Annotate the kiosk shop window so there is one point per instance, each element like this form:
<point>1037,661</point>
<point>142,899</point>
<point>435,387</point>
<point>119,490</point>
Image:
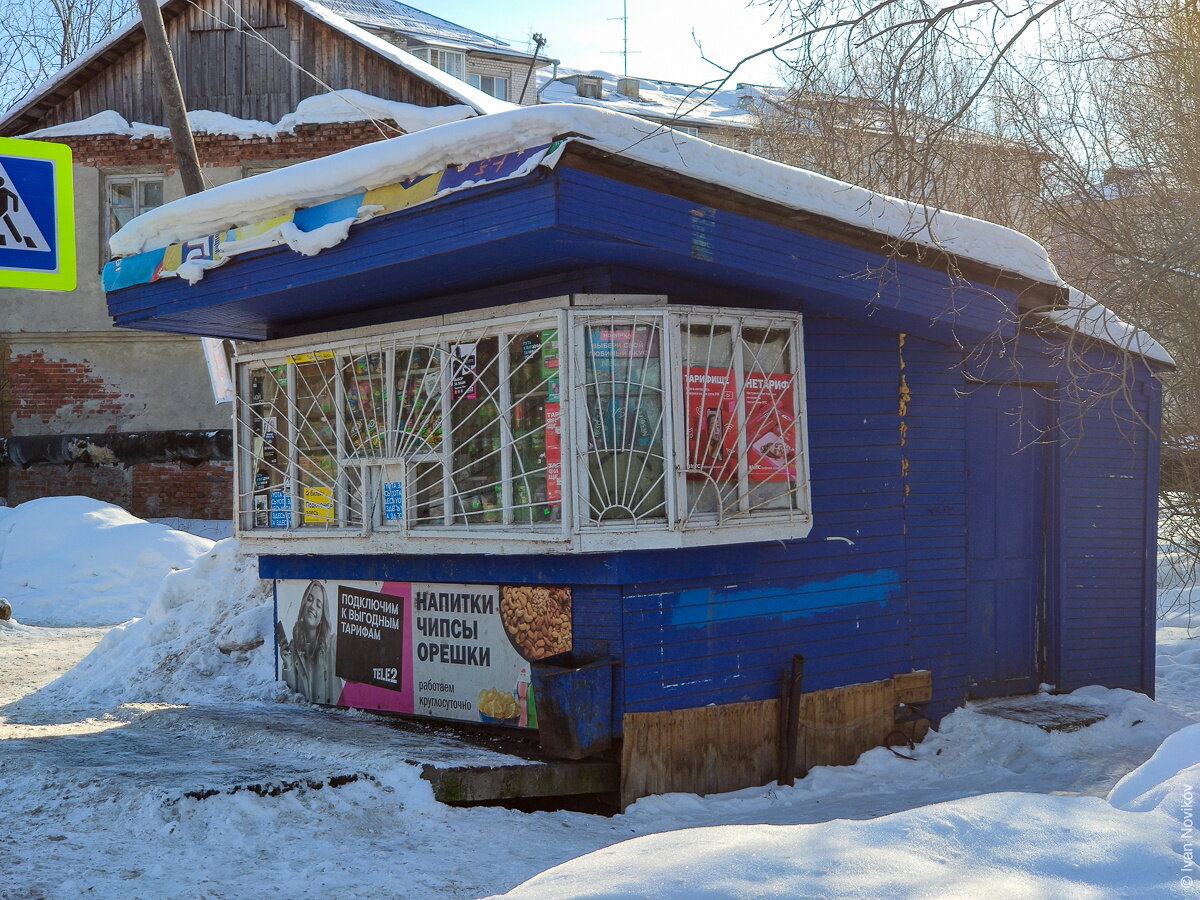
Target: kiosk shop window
<point>557,426</point>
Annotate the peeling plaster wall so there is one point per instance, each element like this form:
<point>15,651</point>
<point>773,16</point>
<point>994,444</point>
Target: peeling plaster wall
<point>65,369</point>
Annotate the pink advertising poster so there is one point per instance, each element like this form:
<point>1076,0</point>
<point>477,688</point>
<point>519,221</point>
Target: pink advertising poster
<point>448,651</point>
<point>771,427</point>
<point>711,400</point>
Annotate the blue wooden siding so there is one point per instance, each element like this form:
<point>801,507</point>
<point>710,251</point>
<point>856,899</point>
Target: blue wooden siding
<point>843,605</point>
<point>396,266</point>
<point>879,586</point>
<point>936,515</point>
<point>1108,463</point>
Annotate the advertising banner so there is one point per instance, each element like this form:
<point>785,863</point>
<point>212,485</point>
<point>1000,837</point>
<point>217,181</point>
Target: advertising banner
<point>771,427</point>
<point>450,651</point>
<point>710,397</point>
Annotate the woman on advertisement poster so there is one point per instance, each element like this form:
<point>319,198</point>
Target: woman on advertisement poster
<point>308,659</point>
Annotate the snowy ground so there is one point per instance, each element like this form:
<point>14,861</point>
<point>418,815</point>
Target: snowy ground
<point>129,775</point>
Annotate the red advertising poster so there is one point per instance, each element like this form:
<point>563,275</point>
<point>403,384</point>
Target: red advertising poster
<point>770,427</point>
<point>710,397</point>
<point>553,453</point>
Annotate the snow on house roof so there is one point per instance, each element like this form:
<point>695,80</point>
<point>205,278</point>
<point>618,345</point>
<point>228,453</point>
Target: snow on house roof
<point>684,104</point>
<point>336,106</point>
<point>401,17</point>
<point>403,158</point>
<point>456,88</point>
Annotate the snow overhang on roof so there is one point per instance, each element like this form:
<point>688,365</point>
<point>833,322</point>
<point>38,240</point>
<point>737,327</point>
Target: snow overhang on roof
<point>516,133</point>
<point>396,16</point>
<point>671,102</point>
<point>120,41</point>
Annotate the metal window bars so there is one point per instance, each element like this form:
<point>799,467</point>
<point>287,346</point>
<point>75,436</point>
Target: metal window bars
<point>456,427</point>
<point>742,418</point>
<point>674,418</point>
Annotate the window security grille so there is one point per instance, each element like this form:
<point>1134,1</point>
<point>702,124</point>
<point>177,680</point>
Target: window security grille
<point>544,425</point>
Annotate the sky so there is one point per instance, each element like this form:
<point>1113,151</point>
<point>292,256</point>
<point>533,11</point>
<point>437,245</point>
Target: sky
<point>588,35</point>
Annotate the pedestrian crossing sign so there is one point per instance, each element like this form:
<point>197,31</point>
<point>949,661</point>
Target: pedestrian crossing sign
<point>37,216</point>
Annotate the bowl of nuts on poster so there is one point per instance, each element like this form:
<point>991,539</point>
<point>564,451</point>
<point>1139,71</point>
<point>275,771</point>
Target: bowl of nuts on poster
<point>537,619</point>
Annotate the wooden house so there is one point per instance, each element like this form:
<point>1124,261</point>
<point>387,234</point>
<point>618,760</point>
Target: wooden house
<point>558,381</point>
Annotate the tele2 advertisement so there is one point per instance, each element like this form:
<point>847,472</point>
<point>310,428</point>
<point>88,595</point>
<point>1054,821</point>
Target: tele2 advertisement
<point>449,651</point>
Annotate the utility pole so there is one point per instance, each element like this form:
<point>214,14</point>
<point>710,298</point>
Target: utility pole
<point>538,43</point>
<point>216,357</point>
<point>172,97</point>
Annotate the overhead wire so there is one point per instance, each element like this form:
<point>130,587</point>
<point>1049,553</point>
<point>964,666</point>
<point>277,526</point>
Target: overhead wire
<point>247,28</point>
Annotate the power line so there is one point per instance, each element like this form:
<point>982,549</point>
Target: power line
<point>379,124</point>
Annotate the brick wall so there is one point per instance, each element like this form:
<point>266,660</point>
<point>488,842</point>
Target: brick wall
<point>44,390</point>
<point>151,490</point>
<point>307,142</point>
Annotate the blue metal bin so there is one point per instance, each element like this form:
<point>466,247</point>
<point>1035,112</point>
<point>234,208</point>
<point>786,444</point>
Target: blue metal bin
<point>574,704</point>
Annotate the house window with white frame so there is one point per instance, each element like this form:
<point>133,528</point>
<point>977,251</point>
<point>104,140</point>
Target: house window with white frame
<point>452,62</point>
<point>490,84</point>
<point>578,426</point>
<point>128,196</point>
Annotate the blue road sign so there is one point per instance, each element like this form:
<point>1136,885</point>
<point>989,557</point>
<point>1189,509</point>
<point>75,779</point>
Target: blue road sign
<point>37,215</point>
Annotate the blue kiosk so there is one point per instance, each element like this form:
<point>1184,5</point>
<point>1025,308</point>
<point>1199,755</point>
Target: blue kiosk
<point>556,381</point>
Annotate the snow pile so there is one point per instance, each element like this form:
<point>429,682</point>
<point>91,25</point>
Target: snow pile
<point>1178,583</point>
<point>1174,768</point>
<point>77,561</point>
<point>970,753</point>
<point>107,122</point>
<point>322,109</point>
<point>355,106</point>
<point>1177,671</point>
<point>205,638</point>
<point>999,845</point>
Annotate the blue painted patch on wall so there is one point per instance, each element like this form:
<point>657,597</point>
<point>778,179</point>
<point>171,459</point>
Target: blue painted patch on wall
<point>703,606</point>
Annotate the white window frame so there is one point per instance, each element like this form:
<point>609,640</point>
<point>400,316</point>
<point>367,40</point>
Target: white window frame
<point>573,531</point>
<point>136,179</point>
<point>452,62</point>
<point>477,81</point>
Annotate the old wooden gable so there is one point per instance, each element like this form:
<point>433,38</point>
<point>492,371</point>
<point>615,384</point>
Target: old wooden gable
<point>253,59</point>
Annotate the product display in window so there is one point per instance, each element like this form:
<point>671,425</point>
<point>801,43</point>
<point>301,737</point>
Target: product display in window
<point>625,420</point>
<point>267,416</point>
<point>666,419</point>
<point>536,424</point>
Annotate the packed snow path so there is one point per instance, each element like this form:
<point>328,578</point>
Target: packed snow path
<point>106,798</point>
<point>131,776</point>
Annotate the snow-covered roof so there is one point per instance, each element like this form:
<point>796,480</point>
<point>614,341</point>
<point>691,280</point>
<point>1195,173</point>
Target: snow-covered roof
<point>336,106</point>
<point>684,104</point>
<point>400,17</point>
<point>455,87</point>
<point>400,159</point>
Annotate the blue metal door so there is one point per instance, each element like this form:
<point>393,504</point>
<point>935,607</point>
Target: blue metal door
<point>1006,538</point>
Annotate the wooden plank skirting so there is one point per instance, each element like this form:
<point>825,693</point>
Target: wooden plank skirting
<point>712,749</point>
